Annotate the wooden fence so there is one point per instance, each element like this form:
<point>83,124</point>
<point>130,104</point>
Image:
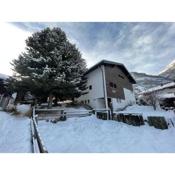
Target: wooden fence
<point>37,142</point>
<point>44,114</point>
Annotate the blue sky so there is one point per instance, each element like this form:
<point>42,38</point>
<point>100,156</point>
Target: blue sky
<point>142,47</point>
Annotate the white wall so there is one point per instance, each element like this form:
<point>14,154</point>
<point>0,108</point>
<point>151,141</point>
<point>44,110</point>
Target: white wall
<point>98,103</point>
<point>96,94</point>
<point>129,99</point>
<point>118,105</point>
<point>129,95</point>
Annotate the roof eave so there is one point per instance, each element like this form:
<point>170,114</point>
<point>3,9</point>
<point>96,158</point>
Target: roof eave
<point>103,62</point>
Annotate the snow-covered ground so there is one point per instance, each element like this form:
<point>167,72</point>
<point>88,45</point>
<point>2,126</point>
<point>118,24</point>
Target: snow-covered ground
<point>89,134</point>
<point>15,136</point>
<point>23,108</point>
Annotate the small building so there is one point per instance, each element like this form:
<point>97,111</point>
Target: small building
<point>110,85</point>
<point>165,94</point>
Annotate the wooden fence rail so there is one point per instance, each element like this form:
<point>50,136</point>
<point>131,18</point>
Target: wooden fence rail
<point>37,142</point>
<point>34,139</point>
<point>44,114</point>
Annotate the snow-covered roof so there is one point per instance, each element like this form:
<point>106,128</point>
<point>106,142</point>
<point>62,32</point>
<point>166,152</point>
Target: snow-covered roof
<point>171,95</point>
<point>161,87</point>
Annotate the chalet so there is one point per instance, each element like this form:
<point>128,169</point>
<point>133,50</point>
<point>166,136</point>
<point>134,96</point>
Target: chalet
<point>164,94</point>
<point>110,85</point>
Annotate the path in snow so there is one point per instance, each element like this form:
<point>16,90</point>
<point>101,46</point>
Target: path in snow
<point>90,134</point>
<point>15,136</point>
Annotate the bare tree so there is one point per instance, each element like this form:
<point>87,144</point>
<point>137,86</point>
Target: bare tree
<point>151,99</point>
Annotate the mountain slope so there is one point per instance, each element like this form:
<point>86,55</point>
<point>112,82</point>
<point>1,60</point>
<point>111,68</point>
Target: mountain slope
<point>145,81</point>
<point>169,71</point>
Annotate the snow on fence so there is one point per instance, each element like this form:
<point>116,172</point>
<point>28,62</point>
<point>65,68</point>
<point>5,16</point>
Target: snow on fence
<point>34,140</point>
<point>79,113</point>
<point>37,142</point>
<point>43,114</point>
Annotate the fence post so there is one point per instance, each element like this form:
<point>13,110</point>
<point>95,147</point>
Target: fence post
<point>108,114</point>
<point>33,112</point>
<point>95,112</point>
<point>1,99</point>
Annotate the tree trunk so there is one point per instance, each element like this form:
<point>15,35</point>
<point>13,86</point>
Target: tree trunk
<point>35,102</point>
<point>55,101</point>
<point>50,101</point>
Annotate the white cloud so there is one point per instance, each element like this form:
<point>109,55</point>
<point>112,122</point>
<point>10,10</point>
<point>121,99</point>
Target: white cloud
<point>12,43</point>
<point>142,41</point>
<point>133,44</point>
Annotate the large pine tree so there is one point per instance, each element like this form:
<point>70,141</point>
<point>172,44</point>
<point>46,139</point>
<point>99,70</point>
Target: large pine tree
<point>2,86</point>
<point>50,66</point>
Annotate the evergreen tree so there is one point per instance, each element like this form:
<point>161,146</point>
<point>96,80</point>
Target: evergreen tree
<point>2,86</point>
<point>50,66</point>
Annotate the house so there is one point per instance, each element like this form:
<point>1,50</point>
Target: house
<point>164,94</point>
<point>110,85</point>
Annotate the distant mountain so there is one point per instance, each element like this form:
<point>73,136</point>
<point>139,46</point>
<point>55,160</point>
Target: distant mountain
<point>145,81</point>
<point>3,76</point>
<point>169,71</point>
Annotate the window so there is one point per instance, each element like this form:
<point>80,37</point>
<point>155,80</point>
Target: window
<point>88,101</point>
<point>111,84</point>
<point>90,87</point>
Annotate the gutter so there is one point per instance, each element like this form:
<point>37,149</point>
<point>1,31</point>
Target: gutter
<point>104,86</point>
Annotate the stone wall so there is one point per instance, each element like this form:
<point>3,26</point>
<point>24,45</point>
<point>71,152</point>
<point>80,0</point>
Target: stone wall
<point>157,122</point>
<point>135,119</point>
<point>102,115</point>
<point>130,119</point>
